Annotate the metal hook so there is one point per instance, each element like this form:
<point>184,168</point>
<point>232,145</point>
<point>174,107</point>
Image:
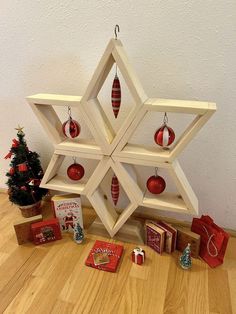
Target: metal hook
<point>117,28</point>
<point>74,159</point>
<point>165,120</point>
<point>69,111</point>
<point>156,168</point>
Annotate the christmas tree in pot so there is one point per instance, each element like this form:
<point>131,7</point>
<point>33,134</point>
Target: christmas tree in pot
<point>24,177</point>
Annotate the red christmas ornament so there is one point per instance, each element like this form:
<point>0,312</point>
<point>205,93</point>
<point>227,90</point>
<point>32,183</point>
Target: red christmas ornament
<point>12,171</point>
<point>23,188</point>
<point>75,172</point>
<point>71,128</point>
<point>156,184</point>
<point>116,96</point>
<point>115,189</point>
<point>8,155</point>
<point>15,143</point>
<point>22,167</point>
<point>164,136</point>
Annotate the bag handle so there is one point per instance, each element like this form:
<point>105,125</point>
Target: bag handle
<point>208,243</point>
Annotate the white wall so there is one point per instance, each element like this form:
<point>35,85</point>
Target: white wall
<point>180,49</point>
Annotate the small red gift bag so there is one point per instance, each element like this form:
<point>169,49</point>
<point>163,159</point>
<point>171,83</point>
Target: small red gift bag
<point>213,240</point>
<point>138,256</point>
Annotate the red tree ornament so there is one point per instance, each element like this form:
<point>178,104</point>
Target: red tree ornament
<point>116,96</point>
<point>115,189</point>
<point>71,128</point>
<point>15,143</point>
<point>12,171</point>
<point>75,172</point>
<point>8,155</point>
<point>165,135</point>
<point>23,188</point>
<point>22,167</point>
<point>156,184</point>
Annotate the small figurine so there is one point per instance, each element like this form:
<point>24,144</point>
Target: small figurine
<point>185,258</point>
<point>78,234</point>
<point>138,256</point>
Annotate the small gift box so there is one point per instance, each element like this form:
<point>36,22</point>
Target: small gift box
<point>138,256</point>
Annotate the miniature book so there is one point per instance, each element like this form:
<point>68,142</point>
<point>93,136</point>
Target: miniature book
<point>67,208</point>
<point>155,237</point>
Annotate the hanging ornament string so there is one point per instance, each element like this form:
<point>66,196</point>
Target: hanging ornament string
<point>210,241</point>
<point>117,29</point>
<point>156,169</point>
<point>165,119</point>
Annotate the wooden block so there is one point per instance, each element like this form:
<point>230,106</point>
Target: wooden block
<point>22,229</point>
<point>185,236</point>
<point>131,231</point>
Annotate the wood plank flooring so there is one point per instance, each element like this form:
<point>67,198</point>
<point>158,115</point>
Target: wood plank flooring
<point>52,278</point>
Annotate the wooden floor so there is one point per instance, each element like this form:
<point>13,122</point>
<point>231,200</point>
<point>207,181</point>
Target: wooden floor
<point>52,278</point>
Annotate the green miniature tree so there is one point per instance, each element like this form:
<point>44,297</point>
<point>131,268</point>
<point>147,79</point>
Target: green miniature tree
<point>185,258</point>
<point>78,233</point>
<point>25,173</point>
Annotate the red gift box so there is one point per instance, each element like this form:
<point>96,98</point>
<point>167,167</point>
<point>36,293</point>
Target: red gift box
<point>214,240</point>
<point>138,256</point>
<point>114,252</point>
<point>46,231</point>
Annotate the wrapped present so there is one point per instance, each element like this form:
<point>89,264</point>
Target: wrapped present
<point>214,240</point>
<point>46,231</point>
<point>138,256</point>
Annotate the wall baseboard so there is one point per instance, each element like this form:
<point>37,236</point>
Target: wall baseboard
<point>174,222</point>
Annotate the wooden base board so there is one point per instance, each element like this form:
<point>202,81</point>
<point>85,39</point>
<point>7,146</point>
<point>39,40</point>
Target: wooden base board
<point>131,231</point>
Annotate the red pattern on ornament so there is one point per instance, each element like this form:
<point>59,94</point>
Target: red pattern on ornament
<point>115,189</point>
<point>116,96</point>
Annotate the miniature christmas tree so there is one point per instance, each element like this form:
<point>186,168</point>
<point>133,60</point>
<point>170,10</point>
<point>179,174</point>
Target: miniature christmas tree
<point>25,173</point>
<point>78,233</point>
<point>185,258</point>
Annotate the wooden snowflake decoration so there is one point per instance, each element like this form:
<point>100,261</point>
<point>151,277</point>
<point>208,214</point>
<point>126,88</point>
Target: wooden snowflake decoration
<point>112,149</point>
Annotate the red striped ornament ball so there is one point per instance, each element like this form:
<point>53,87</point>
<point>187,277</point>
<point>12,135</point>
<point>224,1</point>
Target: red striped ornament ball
<point>116,96</point>
<point>71,128</point>
<point>164,136</point>
<point>115,189</point>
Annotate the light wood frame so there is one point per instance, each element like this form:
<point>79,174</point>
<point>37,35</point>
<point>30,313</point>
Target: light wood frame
<point>112,150</point>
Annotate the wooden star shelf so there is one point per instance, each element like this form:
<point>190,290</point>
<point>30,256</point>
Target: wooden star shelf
<point>112,150</point>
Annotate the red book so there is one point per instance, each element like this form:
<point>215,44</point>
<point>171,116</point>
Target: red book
<point>46,231</point>
<point>155,237</point>
<point>171,235</point>
<point>105,256</point>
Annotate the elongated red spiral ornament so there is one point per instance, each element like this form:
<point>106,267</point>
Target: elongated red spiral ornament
<point>115,189</point>
<point>116,96</point>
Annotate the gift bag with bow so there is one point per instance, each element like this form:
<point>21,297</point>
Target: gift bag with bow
<point>213,240</point>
